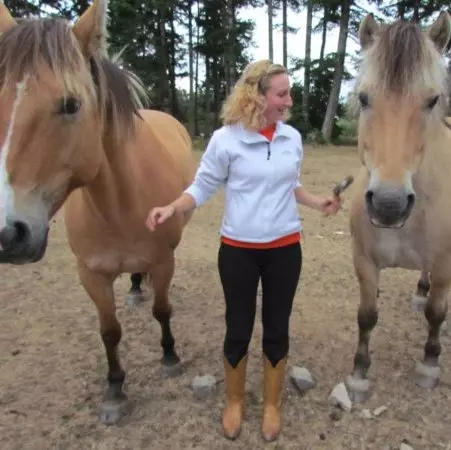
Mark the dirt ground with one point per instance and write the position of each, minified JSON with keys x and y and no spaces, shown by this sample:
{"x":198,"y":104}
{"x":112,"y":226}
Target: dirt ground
{"x":53,"y":368}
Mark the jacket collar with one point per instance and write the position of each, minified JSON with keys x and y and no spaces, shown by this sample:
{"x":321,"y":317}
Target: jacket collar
{"x":253,"y":137}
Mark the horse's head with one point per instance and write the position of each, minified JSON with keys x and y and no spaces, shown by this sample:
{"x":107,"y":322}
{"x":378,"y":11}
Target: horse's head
{"x":402,"y":96}
{"x":55,"y":85}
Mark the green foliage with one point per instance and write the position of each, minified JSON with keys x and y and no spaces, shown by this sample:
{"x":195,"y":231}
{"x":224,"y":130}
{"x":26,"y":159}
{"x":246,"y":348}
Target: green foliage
{"x":322,"y":73}
{"x":153,"y":36}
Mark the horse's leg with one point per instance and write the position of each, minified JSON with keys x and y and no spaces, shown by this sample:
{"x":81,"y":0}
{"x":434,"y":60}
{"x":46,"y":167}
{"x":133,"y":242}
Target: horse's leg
{"x":428,"y":371}
{"x":100,"y":289}
{"x":420,"y":297}
{"x":357,"y":383}
{"x":135,"y":295}
{"x":162,"y":310}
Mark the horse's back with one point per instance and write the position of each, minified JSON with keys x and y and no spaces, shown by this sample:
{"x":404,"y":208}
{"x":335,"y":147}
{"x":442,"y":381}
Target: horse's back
{"x":174,"y":139}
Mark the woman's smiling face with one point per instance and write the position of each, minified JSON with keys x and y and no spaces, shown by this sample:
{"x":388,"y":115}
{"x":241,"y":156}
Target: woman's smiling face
{"x":278,"y":98}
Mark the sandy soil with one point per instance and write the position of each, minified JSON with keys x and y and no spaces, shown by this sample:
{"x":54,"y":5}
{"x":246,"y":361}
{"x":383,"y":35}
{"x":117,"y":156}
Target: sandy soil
{"x":53,"y":366}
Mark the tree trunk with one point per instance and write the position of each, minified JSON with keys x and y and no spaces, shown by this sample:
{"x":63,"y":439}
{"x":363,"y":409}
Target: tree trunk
{"x":216,"y":83}
{"x":172,"y":68}
{"x":401,"y":10}
{"x":449,"y":87}
{"x":208,"y":122}
{"x":229,"y":54}
{"x":196,"y":77}
{"x":162,"y":52}
{"x":339,"y":69}
{"x":191,"y":110}
{"x":307,"y":61}
{"x":416,"y":11}
{"x":270,"y":26}
{"x":284,"y":34}
{"x":324,"y":33}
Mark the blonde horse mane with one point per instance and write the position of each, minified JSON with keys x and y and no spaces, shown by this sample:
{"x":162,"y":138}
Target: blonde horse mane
{"x":118,"y":92}
{"x":402,"y":61}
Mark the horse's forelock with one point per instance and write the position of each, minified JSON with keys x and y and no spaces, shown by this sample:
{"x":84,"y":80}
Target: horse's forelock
{"x":25,"y":47}
{"x":402,"y":61}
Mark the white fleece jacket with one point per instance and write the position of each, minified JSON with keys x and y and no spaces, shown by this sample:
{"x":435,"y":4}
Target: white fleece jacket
{"x":259,"y":178}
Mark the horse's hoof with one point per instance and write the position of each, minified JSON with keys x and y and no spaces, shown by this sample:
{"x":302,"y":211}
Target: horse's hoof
{"x":112,"y":411}
{"x":427,"y":377}
{"x":359,"y":390}
{"x":172,"y":367}
{"x":135,"y":298}
{"x":418,"y":303}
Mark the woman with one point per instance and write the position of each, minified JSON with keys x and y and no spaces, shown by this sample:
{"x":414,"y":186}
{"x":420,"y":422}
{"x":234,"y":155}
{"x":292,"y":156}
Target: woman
{"x":257,"y":158}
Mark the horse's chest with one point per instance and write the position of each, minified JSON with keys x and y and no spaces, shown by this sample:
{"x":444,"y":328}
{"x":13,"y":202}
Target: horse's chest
{"x":394,"y":249}
{"x":110,"y":261}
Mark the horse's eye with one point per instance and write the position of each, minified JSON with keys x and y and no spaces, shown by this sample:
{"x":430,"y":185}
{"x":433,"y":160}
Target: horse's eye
{"x":364,"y":99}
{"x":431,"y":102}
{"x":69,"y":106}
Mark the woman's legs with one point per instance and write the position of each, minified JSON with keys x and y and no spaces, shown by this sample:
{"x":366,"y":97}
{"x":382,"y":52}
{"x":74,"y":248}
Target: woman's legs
{"x":280,"y":275}
{"x":239,"y":273}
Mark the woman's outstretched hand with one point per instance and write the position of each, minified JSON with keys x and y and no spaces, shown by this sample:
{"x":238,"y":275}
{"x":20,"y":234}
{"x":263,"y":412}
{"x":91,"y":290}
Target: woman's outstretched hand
{"x":158,"y":216}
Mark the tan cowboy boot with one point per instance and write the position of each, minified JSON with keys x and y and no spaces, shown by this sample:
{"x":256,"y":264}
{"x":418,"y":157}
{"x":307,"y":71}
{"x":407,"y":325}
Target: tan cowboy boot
{"x":272,"y":398}
{"x":233,"y":412}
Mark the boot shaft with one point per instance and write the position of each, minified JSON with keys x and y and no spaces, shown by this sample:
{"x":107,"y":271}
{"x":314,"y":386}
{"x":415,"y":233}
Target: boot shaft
{"x":273,"y":381}
{"x":235,"y":378}
{"x":272,"y":398}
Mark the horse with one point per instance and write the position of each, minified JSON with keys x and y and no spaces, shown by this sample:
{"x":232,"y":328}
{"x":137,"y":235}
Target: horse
{"x":75,"y":137}
{"x":399,"y":211}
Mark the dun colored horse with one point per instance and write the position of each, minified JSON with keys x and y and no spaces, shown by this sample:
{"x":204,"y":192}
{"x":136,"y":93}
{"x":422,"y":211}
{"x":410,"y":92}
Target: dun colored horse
{"x":400,"y":213}
{"x":73,"y":132}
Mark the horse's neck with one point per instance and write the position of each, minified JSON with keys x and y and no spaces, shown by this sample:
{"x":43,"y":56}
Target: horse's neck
{"x":132,"y":176}
{"x":435,"y":167}
{"x":112,"y":189}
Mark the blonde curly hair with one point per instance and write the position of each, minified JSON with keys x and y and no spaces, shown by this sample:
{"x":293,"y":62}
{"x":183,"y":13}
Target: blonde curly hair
{"x":246,"y":103}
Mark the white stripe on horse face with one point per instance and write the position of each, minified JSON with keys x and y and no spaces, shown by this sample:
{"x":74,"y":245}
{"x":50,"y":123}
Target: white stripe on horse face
{"x":6,"y":191}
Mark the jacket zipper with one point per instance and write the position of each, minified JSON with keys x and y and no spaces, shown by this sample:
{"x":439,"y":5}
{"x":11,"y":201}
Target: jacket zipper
{"x":269,"y":151}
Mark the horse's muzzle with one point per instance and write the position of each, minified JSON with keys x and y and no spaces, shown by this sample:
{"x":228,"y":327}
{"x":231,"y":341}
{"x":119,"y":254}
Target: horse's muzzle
{"x":20,"y":244}
{"x":389,"y":205}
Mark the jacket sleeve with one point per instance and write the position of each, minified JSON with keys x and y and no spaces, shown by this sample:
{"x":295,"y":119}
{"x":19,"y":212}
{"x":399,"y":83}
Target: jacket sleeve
{"x":211,"y":174}
{"x":301,"y":157}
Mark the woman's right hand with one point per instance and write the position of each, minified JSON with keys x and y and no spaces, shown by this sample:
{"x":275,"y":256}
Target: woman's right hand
{"x":159,"y":215}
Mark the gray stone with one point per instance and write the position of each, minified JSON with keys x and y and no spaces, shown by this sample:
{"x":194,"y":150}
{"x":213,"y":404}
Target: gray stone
{"x":302,"y":379}
{"x":405,"y":446}
{"x":339,"y":397}
{"x":203,"y":386}
{"x":378,"y":411}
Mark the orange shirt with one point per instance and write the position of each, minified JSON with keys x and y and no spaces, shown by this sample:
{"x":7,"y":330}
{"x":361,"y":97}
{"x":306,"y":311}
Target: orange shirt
{"x":293,"y":238}
{"x":268,"y":131}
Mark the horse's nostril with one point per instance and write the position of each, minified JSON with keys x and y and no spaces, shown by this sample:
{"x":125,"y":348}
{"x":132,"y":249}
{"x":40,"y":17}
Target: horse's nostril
{"x":14,"y":235}
{"x":22,"y":232}
{"x":410,"y":199}
{"x":369,"y":196}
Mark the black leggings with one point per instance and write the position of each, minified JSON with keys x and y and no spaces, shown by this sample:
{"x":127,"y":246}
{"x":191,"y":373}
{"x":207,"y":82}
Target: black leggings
{"x":240,"y":270}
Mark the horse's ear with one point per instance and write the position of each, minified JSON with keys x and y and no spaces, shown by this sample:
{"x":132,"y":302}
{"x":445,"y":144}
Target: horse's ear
{"x":368,"y":28}
{"x":440,"y":31}
{"x":6,"y":19}
{"x":90,"y":28}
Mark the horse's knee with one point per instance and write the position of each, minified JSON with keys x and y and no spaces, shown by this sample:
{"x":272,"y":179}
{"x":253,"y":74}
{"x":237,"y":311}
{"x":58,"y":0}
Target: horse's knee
{"x":435,"y":313}
{"x":367,"y":318}
{"x":162,"y":312}
{"x":112,"y":336}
